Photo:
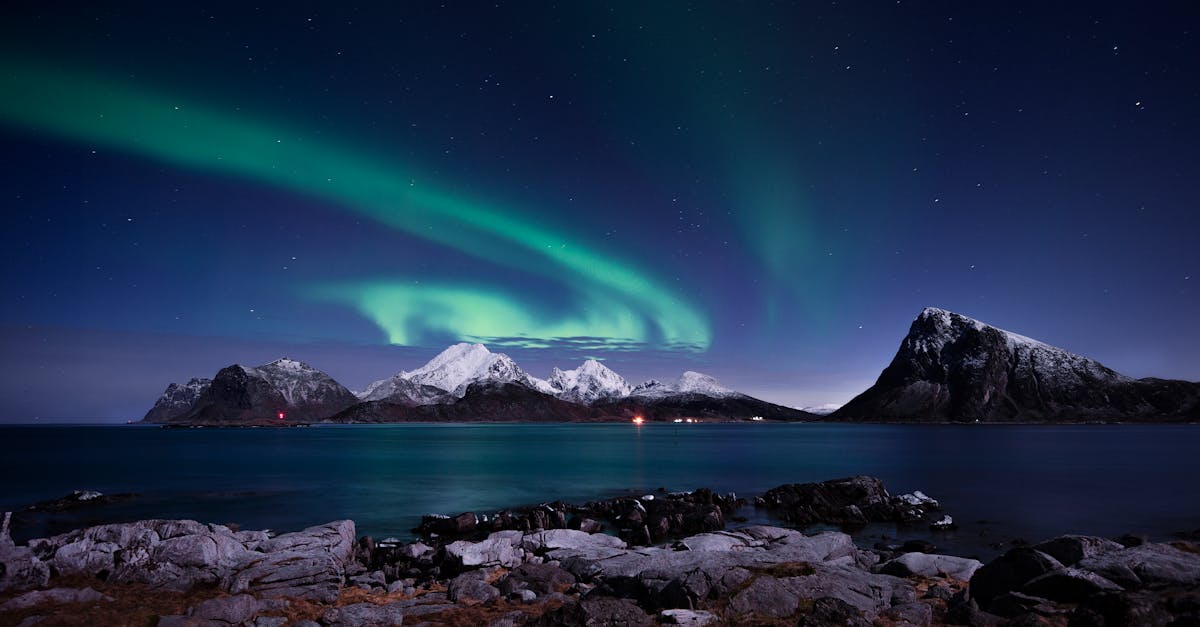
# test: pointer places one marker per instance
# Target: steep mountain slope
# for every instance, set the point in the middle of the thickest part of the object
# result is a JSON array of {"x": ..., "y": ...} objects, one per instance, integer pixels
[
  {"x": 954, "y": 368},
  {"x": 447, "y": 376},
  {"x": 177, "y": 400}
]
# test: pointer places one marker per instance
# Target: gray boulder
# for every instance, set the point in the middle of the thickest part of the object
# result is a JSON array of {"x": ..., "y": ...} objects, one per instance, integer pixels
[
  {"x": 501, "y": 548},
  {"x": 314, "y": 576},
  {"x": 1148, "y": 564},
  {"x": 1070, "y": 549},
  {"x": 539, "y": 578},
  {"x": 570, "y": 539},
  {"x": 927, "y": 565},
  {"x": 470, "y": 589},
  {"x": 765, "y": 596}
]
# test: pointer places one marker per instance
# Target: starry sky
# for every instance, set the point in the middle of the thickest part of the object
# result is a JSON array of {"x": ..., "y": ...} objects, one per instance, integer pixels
[{"x": 766, "y": 192}]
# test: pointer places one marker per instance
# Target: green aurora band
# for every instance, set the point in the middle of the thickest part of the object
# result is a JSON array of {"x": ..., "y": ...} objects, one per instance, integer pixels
[{"x": 611, "y": 301}]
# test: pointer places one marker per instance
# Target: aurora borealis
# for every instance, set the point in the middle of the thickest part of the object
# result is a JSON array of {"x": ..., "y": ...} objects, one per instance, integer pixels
[{"x": 765, "y": 193}]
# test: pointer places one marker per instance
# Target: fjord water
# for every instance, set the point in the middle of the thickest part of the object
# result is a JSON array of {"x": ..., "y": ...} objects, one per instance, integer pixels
[{"x": 999, "y": 482}]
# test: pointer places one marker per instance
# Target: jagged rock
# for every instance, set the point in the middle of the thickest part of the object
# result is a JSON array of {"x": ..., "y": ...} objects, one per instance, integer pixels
[
  {"x": 945, "y": 523},
  {"x": 53, "y": 595},
  {"x": 364, "y": 614},
  {"x": 927, "y": 565},
  {"x": 1068, "y": 585},
  {"x": 1070, "y": 549},
  {"x": 1009, "y": 572},
  {"x": 235, "y": 609},
  {"x": 1144, "y": 565}
]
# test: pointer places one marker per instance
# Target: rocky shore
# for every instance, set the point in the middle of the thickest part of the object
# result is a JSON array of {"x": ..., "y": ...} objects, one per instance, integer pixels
[{"x": 671, "y": 561}]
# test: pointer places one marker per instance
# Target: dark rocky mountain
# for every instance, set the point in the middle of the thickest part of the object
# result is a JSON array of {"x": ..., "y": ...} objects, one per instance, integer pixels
[
  {"x": 951, "y": 368},
  {"x": 244, "y": 395},
  {"x": 177, "y": 400}
]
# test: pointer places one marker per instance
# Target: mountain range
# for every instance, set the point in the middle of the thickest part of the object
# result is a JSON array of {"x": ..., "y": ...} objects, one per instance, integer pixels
[
  {"x": 465, "y": 382},
  {"x": 949, "y": 368}
]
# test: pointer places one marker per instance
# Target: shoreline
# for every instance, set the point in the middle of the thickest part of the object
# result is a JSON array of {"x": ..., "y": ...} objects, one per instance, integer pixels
[{"x": 554, "y": 563}]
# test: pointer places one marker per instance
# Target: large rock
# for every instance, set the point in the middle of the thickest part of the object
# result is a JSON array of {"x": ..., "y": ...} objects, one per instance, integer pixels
[
  {"x": 20, "y": 569},
  {"x": 1148, "y": 564},
  {"x": 501, "y": 548},
  {"x": 1070, "y": 549},
  {"x": 470, "y": 589},
  {"x": 568, "y": 539},
  {"x": 183, "y": 554},
  {"x": 1009, "y": 572},
  {"x": 541, "y": 579},
  {"x": 927, "y": 565}
]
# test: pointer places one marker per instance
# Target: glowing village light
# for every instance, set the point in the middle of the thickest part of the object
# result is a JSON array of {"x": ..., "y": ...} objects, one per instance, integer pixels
[
  {"x": 281, "y": 414},
  {"x": 637, "y": 420}
]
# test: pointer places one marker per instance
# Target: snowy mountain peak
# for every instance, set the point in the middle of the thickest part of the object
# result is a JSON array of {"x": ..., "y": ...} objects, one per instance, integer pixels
[
  {"x": 462, "y": 364},
  {"x": 689, "y": 382},
  {"x": 692, "y": 382},
  {"x": 588, "y": 383}
]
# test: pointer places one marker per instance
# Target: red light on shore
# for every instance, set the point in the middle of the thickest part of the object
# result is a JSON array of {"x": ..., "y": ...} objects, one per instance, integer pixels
[
  {"x": 637, "y": 420},
  {"x": 281, "y": 415}
]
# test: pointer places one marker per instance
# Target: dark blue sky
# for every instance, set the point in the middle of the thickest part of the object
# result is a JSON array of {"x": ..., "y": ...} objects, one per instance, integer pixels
[{"x": 767, "y": 192}]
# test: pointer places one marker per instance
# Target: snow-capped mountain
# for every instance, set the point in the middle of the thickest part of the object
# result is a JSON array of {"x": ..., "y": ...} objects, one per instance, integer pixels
[
  {"x": 177, "y": 400},
  {"x": 954, "y": 368},
  {"x": 590, "y": 382},
  {"x": 259, "y": 393},
  {"x": 451, "y": 372},
  {"x": 689, "y": 382}
]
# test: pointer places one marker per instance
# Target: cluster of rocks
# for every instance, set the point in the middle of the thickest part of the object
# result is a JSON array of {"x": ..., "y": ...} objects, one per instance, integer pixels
[
  {"x": 637, "y": 520},
  {"x": 551, "y": 565},
  {"x": 852, "y": 501},
  {"x": 1085, "y": 581}
]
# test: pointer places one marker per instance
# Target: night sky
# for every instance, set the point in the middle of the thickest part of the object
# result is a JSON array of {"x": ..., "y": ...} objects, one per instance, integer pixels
[{"x": 766, "y": 192}]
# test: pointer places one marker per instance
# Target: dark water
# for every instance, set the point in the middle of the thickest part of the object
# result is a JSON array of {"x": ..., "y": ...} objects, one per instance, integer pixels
[{"x": 1024, "y": 481}]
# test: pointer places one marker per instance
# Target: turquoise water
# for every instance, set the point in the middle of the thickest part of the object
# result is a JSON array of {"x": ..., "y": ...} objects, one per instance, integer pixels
[{"x": 1024, "y": 481}]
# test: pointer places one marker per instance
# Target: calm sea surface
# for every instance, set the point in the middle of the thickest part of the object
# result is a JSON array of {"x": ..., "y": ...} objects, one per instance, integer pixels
[{"x": 999, "y": 482}]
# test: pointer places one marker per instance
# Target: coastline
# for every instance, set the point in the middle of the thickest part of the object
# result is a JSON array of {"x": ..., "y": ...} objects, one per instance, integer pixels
[{"x": 554, "y": 564}]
